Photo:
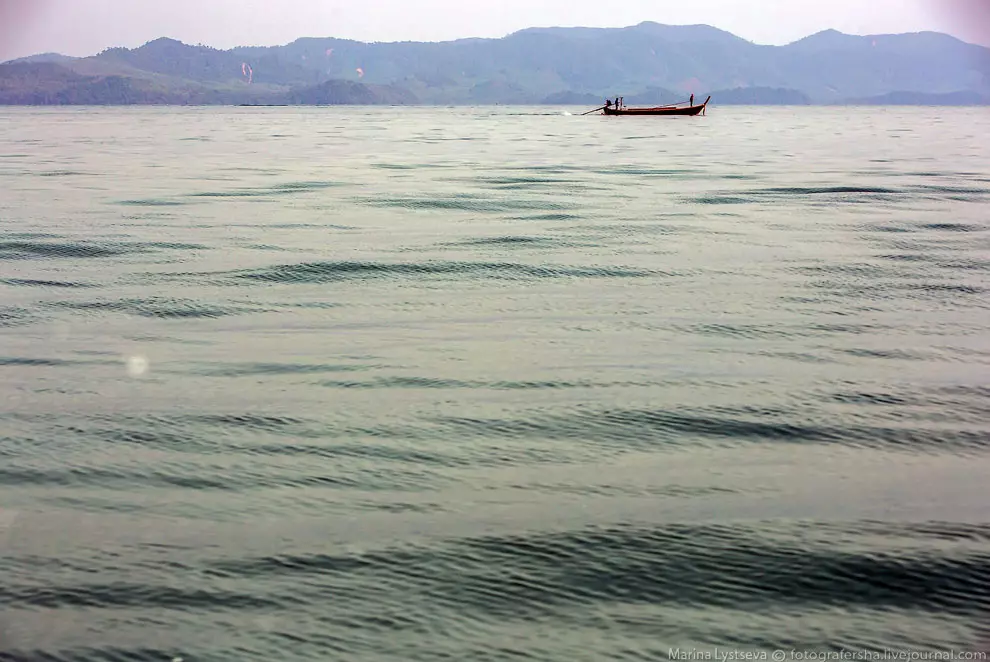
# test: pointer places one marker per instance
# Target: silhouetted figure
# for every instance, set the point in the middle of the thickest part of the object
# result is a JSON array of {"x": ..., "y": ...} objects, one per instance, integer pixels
[{"x": 692, "y": 99}]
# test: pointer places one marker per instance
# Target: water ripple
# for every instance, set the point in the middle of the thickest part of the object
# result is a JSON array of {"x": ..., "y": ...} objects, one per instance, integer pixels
[
  {"x": 491, "y": 384},
  {"x": 324, "y": 272}
]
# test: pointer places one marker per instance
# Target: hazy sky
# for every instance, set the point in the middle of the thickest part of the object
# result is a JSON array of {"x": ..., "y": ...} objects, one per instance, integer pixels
[{"x": 85, "y": 27}]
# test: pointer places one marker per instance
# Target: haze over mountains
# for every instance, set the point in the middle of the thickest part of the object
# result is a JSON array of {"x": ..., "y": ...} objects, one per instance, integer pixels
[{"x": 646, "y": 63}]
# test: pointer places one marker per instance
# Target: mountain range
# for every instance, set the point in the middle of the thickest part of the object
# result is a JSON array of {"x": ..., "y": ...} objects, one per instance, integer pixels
[{"x": 645, "y": 63}]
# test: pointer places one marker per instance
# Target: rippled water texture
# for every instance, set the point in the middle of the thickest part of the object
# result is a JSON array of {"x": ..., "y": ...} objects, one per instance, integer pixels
[{"x": 492, "y": 384}]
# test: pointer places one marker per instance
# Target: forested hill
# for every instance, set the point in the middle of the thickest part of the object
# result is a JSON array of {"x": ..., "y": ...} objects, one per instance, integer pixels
[{"x": 645, "y": 63}]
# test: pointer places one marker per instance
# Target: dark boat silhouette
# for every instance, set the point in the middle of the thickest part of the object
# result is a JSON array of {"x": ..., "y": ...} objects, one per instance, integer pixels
[{"x": 658, "y": 110}]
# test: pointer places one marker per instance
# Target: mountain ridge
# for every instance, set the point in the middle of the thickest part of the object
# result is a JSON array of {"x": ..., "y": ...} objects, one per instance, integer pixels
[{"x": 533, "y": 65}]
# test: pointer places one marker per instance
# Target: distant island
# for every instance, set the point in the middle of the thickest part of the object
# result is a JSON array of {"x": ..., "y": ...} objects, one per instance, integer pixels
[{"x": 646, "y": 63}]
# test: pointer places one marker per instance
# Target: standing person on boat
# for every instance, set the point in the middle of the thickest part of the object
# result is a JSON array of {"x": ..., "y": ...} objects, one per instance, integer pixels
[{"x": 692, "y": 98}]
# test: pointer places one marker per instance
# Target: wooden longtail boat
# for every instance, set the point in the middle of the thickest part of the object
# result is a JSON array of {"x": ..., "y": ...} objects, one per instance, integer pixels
[{"x": 659, "y": 110}]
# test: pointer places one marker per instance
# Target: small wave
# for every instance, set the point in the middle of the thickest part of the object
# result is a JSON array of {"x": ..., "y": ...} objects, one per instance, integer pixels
[
  {"x": 871, "y": 399},
  {"x": 475, "y": 204},
  {"x": 223, "y": 478},
  {"x": 964, "y": 190},
  {"x": 952, "y": 227},
  {"x": 61, "y": 173},
  {"x": 654, "y": 172},
  {"x": 894, "y": 354},
  {"x": 132, "y": 596},
  {"x": 738, "y": 331},
  {"x": 151, "y": 202},
  {"x": 889, "y": 228},
  {"x": 26, "y": 282},
  {"x": 822, "y": 190},
  {"x": 252, "y": 369},
  {"x": 25, "y": 250},
  {"x": 438, "y": 383},
  {"x": 634, "y": 428},
  {"x": 731, "y": 566},
  {"x": 847, "y": 194},
  {"x": 504, "y": 180},
  {"x": 11, "y": 317},
  {"x": 159, "y": 307},
  {"x": 516, "y": 241},
  {"x": 39, "y": 362},
  {"x": 109, "y": 478},
  {"x": 100, "y": 654},
  {"x": 249, "y": 421},
  {"x": 177, "y": 246},
  {"x": 324, "y": 272},
  {"x": 549, "y": 217},
  {"x": 529, "y": 182},
  {"x": 721, "y": 200},
  {"x": 288, "y": 188}
]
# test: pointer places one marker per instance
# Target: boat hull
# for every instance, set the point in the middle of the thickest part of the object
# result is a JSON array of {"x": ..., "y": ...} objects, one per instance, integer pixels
[{"x": 660, "y": 110}]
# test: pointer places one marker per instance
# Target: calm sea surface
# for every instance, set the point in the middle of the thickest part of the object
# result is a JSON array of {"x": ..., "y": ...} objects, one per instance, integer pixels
[{"x": 492, "y": 384}]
